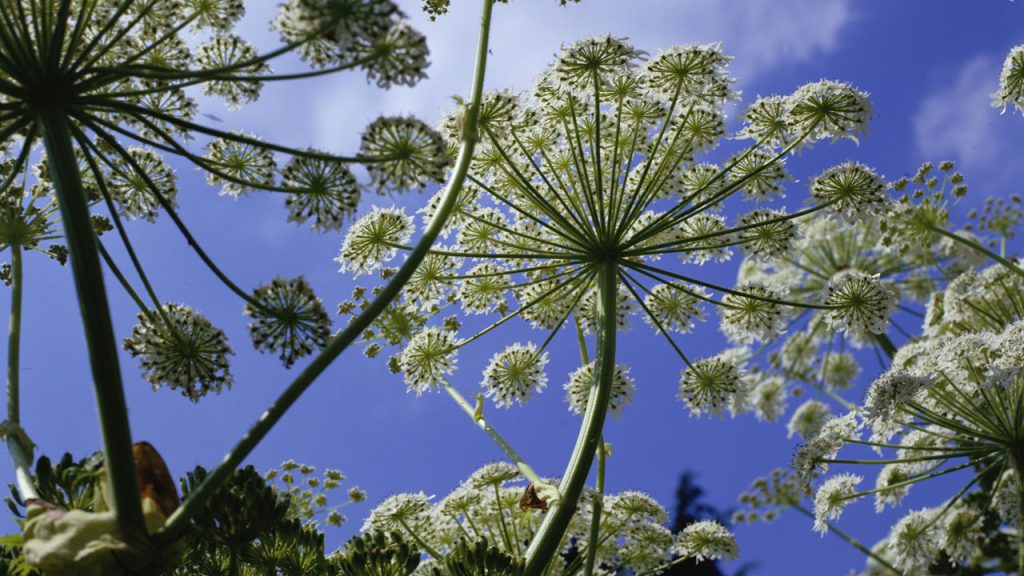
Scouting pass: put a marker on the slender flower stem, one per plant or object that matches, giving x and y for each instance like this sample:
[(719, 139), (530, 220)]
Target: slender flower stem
[(850, 540), (887, 346), (166, 205), (979, 248), (21, 455), (475, 412), (545, 543), (99, 331), (102, 105), (178, 521)]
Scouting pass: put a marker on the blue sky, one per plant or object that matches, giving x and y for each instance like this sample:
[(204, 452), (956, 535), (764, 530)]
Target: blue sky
[(930, 66)]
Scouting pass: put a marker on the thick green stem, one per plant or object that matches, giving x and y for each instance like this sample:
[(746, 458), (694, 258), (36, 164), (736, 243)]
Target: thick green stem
[(595, 518), (1018, 469), (178, 522), (549, 535), (99, 331), (21, 455), (14, 338)]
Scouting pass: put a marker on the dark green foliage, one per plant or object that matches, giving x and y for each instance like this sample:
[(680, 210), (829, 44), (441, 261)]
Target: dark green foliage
[(70, 484), (12, 563), (293, 549), (246, 507), (377, 554), (245, 530), (479, 559)]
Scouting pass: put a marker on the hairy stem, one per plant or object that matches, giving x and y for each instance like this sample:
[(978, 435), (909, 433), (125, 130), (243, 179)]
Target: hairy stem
[(14, 338), (549, 535), (99, 331)]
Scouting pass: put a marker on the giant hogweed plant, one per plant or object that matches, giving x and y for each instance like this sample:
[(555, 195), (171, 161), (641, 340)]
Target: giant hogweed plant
[(579, 195), (102, 86), (588, 205)]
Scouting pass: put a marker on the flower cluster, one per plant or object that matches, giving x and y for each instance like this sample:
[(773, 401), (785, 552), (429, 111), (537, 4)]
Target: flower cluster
[(308, 494), (288, 317), (864, 271), (488, 507), (179, 348)]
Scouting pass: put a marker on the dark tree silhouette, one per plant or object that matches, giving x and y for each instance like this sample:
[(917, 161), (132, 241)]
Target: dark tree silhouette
[(690, 508)]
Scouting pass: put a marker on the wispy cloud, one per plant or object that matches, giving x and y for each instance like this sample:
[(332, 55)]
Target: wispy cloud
[(958, 121)]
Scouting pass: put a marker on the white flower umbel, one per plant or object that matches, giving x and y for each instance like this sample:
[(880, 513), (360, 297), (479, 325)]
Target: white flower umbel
[(915, 540), (429, 357), (754, 314), (769, 398), (808, 419), (890, 393), (830, 109), (833, 496), (374, 239), (706, 540), (963, 533), (590, 194), (676, 307), (860, 303), (290, 319), (810, 457), (851, 190), (891, 486), (182, 350), (708, 386), (514, 374), (325, 192), (577, 389)]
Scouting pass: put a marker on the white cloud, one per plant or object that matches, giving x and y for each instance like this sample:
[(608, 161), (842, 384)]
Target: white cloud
[(761, 34), (958, 119), (958, 122)]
